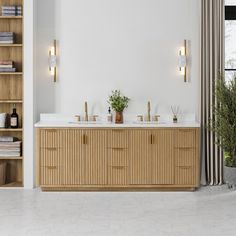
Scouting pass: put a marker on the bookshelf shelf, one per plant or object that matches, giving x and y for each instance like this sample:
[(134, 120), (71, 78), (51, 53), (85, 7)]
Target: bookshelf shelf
[(11, 17), (11, 158), (10, 130), (11, 101), (11, 45), (11, 73)]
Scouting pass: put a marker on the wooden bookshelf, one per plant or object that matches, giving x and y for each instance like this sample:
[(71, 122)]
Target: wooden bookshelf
[(11, 89)]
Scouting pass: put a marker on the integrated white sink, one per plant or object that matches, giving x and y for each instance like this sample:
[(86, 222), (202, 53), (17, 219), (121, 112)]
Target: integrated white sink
[(85, 122), (149, 123)]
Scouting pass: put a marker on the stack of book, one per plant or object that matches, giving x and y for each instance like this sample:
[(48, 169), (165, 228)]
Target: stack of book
[(7, 66), (11, 10), (10, 147), (7, 37)]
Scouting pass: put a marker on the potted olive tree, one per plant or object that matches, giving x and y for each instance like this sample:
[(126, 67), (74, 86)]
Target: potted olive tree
[(224, 126), (118, 103)]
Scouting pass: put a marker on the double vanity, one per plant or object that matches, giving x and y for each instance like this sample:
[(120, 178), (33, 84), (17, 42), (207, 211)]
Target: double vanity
[(106, 156)]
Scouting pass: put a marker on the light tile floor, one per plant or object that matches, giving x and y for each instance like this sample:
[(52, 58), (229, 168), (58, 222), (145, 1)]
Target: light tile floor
[(208, 212)]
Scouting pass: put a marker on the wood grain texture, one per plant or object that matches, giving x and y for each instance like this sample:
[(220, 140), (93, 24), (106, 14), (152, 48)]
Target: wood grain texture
[(11, 87), (163, 157), (122, 158), (140, 157), (95, 163), (187, 157)]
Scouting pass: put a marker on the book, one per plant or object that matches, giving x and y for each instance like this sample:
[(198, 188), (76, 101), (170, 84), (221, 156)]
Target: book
[(7, 69), (6, 34), (6, 42), (6, 66), (8, 139), (6, 38), (4, 62)]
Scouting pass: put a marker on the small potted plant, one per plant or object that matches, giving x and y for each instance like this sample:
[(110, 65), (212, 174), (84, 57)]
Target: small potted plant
[(224, 126), (118, 103)]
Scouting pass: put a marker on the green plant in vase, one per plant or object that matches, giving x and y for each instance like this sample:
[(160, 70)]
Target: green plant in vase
[(118, 103)]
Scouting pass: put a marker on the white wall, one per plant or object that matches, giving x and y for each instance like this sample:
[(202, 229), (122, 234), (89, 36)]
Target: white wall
[(29, 93), (130, 45), (45, 34)]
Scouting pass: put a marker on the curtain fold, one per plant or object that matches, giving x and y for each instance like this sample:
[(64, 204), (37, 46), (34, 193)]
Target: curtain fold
[(212, 64)]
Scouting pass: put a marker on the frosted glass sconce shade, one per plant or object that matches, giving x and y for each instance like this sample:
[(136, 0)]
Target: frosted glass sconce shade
[(53, 60)]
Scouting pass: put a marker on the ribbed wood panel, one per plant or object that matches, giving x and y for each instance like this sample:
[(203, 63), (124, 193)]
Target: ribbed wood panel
[(140, 156), (118, 175), (118, 157), (163, 157), (51, 138), (118, 138), (73, 157), (51, 176), (95, 162), (102, 157), (186, 158), (185, 137)]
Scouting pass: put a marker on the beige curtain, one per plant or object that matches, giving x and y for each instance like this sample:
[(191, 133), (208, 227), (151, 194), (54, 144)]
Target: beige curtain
[(212, 63)]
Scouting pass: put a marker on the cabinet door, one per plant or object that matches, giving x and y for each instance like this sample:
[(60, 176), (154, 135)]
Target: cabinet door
[(73, 157), (140, 156), (95, 157), (162, 156)]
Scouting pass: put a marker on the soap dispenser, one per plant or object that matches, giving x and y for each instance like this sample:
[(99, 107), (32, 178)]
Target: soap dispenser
[(109, 115)]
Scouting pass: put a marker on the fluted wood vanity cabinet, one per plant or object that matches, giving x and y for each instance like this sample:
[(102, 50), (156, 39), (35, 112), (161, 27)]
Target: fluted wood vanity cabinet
[(119, 159)]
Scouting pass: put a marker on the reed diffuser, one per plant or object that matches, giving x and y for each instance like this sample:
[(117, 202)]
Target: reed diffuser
[(175, 111)]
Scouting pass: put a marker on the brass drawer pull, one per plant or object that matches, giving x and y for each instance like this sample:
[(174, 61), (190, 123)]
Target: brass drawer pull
[(118, 130), (51, 130), (118, 167), (185, 167), (186, 130), (118, 148), (186, 148), (51, 167), (51, 149)]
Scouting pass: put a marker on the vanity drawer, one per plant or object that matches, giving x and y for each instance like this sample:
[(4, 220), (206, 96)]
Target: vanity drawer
[(185, 138), (118, 175), (118, 138), (51, 138), (186, 175), (185, 157), (51, 175), (50, 157), (118, 157)]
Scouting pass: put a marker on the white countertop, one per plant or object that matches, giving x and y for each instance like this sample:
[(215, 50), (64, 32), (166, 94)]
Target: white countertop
[(64, 121), (65, 124)]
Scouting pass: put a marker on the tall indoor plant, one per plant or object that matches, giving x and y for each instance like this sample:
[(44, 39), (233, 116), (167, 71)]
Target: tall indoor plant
[(224, 125), (118, 103)]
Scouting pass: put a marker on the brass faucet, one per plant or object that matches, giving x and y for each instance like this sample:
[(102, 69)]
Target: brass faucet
[(149, 112), (86, 111)]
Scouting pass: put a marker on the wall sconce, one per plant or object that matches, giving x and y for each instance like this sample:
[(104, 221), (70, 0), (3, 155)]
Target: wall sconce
[(53, 60), (183, 60)]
